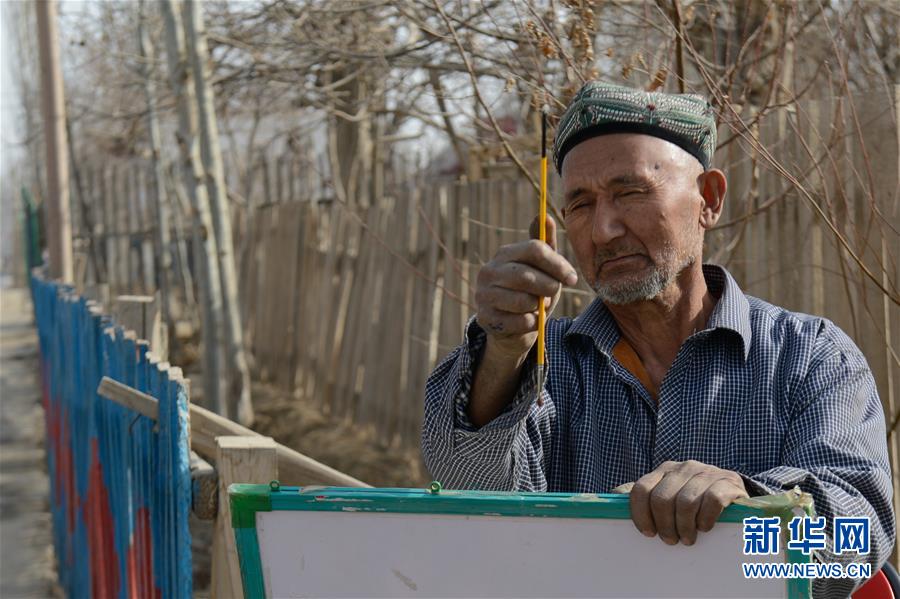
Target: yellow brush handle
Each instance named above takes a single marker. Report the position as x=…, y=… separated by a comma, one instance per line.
x=542, y=313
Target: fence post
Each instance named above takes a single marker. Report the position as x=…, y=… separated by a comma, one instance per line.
x=238, y=460
x=142, y=314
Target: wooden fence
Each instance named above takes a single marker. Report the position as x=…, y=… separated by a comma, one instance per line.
x=120, y=482
x=354, y=305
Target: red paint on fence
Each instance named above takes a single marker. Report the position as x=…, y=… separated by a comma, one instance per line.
x=140, y=565
x=65, y=466
x=98, y=519
x=53, y=438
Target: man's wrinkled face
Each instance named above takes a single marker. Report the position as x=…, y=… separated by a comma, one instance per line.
x=632, y=213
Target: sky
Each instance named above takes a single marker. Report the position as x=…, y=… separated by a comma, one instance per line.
x=9, y=131
x=9, y=135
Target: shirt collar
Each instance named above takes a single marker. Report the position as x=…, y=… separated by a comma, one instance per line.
x=597, y=323
x=732, y=313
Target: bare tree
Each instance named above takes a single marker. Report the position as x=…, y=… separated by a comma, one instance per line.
x=195, y=182
x=145, y=48
x=238, y=389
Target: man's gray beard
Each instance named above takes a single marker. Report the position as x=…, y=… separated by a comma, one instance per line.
x=647, y=288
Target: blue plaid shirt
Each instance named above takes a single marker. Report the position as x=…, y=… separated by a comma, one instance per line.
x=782, y=398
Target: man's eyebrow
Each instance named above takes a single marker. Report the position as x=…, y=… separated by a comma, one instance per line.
x=627, y=180
x=574, y=193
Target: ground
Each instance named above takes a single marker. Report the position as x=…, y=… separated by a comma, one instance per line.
x=350, y=448
x=26, y=552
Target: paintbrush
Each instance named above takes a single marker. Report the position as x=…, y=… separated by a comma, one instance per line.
x=542, y=235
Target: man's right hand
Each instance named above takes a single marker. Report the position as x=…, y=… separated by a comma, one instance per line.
x=509, y=286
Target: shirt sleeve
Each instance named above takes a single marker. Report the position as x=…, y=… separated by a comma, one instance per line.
x=508, y=453
x=835, y=450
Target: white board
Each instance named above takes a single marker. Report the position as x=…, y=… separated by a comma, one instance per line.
x=376, y=543
x=339, y=554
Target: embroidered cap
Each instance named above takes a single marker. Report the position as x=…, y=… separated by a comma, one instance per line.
x=686, y=120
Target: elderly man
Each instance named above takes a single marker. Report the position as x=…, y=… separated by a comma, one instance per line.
x=672, y=378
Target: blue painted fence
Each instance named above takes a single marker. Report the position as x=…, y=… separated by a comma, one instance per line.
x=120, y=482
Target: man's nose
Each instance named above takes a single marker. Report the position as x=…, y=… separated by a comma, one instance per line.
x=607, y=225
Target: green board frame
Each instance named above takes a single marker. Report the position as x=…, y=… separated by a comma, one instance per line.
x=248, y=500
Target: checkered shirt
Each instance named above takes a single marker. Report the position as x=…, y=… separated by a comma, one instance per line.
x=782, y=398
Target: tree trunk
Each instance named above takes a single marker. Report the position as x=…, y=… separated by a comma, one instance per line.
x=163, y=240
x=350, y=137
x=88, y=226
x=59, y=225
x=145, y=47
x=238, y=390
x=182, y=207
x=195, y=182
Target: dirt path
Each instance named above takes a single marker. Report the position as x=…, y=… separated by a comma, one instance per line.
x=26, y=553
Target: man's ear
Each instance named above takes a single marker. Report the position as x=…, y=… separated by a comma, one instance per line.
x=712, y=186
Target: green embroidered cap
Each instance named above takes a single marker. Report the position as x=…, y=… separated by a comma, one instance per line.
x=686, y=120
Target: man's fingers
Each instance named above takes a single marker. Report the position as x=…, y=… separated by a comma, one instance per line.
x=526, y=278
x=507, y=300
x=509, y=287
x=623, y=489
x=539, y=256
x=662, y=503
x=639, y=501
x=535, y=232
x=507, y=323
x=687, y=506
x=719, y=496
x=680, y=498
